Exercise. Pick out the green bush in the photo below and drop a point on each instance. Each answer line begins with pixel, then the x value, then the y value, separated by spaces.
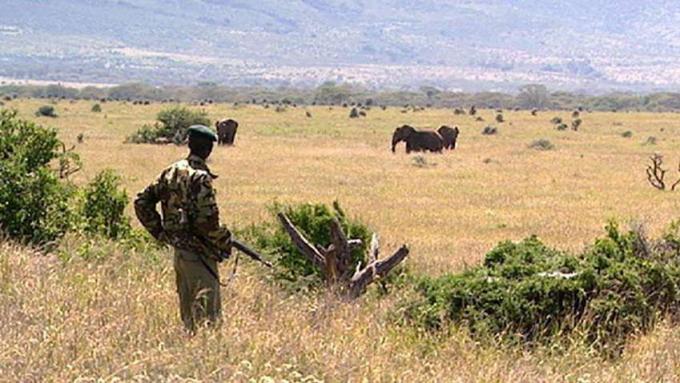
pixel 489 130
pixel 103 207
pixel 542 144
pixel 46 111
pixel 529 293
pixel 314 221
pixel 96 108
pixel 172 126
pixel 33 201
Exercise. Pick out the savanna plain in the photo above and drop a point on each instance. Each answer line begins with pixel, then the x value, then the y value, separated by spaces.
pixel 115 318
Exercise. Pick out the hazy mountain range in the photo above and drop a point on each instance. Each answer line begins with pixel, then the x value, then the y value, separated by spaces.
pixel 590 45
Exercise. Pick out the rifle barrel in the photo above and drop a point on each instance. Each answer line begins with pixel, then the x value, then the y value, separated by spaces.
pixel 238 245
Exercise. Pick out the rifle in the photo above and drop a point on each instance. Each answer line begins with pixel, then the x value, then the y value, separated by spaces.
pixel 240 246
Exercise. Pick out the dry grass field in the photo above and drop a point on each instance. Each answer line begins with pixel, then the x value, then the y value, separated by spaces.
pixel 115 319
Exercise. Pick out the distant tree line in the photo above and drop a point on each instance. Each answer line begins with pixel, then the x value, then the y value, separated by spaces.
pixel 532 96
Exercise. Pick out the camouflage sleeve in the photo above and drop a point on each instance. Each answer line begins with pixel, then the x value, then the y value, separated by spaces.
pixel 145 209
pixel 206 220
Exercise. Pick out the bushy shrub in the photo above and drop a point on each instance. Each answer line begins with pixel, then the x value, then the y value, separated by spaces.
pixel 96 108
pixel 575 124
pixel 489 130
pixel 542 144
pixel 103 207
pixel 499 118
pixel 627 134
pixel 33 201
pixel 529 293
pixel 561 126
pixel 46 111
pixel 556 120
pixel 314 221
pixel 172 125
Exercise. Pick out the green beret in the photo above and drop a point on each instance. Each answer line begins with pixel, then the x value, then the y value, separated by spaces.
pixel 203 131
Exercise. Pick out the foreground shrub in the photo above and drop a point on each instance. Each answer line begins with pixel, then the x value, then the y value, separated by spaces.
pixel 314 221
pixel 172 126
pixel 103 207
pixel 529 293
pixel 33 201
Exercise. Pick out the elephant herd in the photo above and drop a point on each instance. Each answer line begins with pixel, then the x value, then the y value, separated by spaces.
pixel 416 140
pixel 426 140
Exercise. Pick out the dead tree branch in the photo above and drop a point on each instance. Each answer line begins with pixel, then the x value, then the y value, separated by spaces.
pixel 335 260
pixel 656 173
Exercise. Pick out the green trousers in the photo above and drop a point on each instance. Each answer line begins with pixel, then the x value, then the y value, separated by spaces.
pixel 198 289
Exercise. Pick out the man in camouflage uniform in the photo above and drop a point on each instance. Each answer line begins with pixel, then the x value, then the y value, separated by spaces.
pixel 190 223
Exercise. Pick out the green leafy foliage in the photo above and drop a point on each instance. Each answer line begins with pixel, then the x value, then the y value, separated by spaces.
pixel 103 207
pixel 529 293
pixel 33 202
pixel 314 221
pixel 96 108
pixel 172 126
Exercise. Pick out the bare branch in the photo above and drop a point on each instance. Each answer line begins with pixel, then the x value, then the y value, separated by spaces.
pixel 342 250
pixel 302 243
pixel 655 173
pixel 374 250
pixel 375 270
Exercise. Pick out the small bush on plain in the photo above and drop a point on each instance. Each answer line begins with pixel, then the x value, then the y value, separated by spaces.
pixel 489 130
pixel 542 144
pixel 46 111
pixel 172 126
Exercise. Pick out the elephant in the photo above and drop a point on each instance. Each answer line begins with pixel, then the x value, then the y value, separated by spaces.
pixel 449 135
pixel 226 131
pixel 417 140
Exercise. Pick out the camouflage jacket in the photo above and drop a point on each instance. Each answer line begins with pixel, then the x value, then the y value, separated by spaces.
pixel 190 218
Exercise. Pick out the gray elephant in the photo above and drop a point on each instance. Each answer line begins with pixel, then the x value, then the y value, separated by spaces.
pixel 449 135
pixel 226 131
pixel 417 141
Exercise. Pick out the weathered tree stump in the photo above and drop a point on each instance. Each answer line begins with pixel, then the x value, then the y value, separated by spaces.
pixel 335 261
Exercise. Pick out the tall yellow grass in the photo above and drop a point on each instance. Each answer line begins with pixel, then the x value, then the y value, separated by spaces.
pixel 115 319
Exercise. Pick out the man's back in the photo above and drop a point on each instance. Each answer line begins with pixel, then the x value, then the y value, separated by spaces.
pixel 190 223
